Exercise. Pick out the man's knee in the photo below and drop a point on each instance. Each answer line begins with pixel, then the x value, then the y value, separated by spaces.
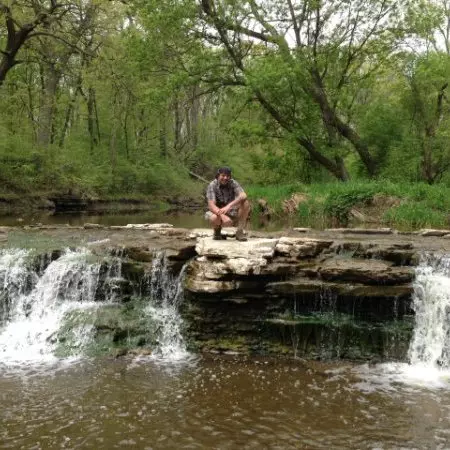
pixel 214 220
pixel 244 207
pixel 227 221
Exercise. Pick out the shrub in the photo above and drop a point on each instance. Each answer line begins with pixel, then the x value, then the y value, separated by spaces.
pixel 338 204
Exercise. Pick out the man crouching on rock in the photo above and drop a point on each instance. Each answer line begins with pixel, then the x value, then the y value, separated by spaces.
pixel 228 205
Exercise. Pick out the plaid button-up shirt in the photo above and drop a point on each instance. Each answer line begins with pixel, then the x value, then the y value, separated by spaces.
pixel 221 195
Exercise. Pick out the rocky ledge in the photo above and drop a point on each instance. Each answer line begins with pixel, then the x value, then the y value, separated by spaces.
pixel 334 293
pixel 328 294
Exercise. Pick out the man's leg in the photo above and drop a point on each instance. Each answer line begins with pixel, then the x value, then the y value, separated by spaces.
pixel 216 223
pixel 227 221
pixel 243 213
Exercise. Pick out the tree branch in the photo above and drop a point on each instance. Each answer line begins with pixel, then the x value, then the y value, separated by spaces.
pixel 59 38
pixel 294 23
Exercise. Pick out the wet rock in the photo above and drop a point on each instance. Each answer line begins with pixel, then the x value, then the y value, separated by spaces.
pixel 365 271
pixel 148 226
pixel 253 249
pixel 301 247
pixel 91 226
pixel 204 286
pixel 431 232
pixel 140 254
pixel 314 286
pixel 361 230
pixel 398 256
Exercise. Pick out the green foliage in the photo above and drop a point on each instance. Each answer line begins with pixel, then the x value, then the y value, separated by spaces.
pixel 420 205
pixel 141 100
pixel 340 201
pixel 415 215
pixel 402 163
pixel 273 194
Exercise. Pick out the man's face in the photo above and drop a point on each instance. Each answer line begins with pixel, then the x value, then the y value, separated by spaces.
pixel 224 178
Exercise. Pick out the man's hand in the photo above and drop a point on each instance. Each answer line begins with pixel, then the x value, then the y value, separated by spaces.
pixel 224 210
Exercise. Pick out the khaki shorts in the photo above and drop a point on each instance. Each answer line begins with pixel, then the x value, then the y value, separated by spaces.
pixel 234 218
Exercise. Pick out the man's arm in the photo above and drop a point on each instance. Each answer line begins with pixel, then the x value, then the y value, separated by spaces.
pixel 213 207
pixel 240 198
pixel 211 198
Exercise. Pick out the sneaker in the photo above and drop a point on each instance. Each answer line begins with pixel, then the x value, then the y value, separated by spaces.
pixel 240 236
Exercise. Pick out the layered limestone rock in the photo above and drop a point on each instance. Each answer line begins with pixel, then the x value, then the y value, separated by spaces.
pixel 225 266
pixel 301 295
pixel 336 293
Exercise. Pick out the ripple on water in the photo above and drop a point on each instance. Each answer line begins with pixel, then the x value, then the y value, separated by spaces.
pixel 219 403
pixel 398 376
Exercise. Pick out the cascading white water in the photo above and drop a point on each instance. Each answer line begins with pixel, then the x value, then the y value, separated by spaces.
pixel 430 345
pixel 34 304
pixel 14 279
pixel 429 349
pixel 166 294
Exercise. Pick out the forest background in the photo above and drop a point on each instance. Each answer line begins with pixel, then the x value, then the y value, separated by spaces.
pixel 342 100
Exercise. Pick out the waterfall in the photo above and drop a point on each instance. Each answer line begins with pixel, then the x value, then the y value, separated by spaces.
pixel 34 301
pixel 166 294
pixel 430 344
pixel 429 349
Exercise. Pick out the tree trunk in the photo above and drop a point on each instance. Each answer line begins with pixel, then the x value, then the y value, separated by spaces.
pixel 15 40
pixel 162 135
pixel 332 120
pixel 427 169
pixel 47 107
pixel 125 129
pixel 141 128
pixel 113 139
pixel 177 123
pixel 69 115
pixel 6 64
pixel 335 168
pixel 194 113
pixel 91 119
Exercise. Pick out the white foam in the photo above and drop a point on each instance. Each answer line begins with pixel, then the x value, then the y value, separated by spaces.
pixel 35 313
pixel 166 294
pixel 429 350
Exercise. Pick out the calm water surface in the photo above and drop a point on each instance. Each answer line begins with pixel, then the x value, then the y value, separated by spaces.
pixel 220 403
pixel 178 219
pixel 182 219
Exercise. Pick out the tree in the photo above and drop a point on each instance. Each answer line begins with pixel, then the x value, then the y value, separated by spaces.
pixel 429 109
pixel 307 64
pixel 23 22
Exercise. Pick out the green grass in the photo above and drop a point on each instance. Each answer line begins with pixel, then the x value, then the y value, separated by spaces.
pixel 421 205
pixel 274 194
pixel 414 216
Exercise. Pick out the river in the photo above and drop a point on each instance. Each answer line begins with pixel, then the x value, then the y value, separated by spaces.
pixel 179 219
pixel 182 219
pixel 221 403
pixel 173 399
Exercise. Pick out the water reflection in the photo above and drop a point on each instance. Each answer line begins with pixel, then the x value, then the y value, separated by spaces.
pixel 182 219
pixel 218 403
pixel 190 219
